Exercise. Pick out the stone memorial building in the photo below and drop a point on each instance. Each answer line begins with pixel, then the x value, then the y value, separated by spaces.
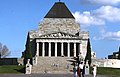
pixel 57 40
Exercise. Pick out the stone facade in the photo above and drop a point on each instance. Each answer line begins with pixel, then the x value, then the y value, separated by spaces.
pixel 67 25
pixel 57 41
pixel 62 29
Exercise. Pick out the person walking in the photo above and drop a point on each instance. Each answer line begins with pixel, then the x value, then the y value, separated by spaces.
pixel 81 66
pixel 83 71
pixel 94 70
pixel 78 72
pixel 75 71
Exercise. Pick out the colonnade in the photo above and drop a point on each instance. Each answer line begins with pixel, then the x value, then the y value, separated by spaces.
pixel 56 49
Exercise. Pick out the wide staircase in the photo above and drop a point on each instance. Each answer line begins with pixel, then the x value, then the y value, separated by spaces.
pixel 53 65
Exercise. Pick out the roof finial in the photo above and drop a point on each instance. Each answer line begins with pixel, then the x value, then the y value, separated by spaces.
pixel 59 0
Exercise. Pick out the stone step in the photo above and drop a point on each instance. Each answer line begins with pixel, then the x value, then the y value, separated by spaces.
pixel 53 65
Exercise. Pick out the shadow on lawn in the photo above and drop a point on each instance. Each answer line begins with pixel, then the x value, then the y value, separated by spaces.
pixel 22 70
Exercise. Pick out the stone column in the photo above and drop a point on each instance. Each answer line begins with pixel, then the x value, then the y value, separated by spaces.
pixel 55 49
pixel 49 49
pixel 68 54
pixel 37 52
pixel 43 49
pixel 62 49
pixel 74 49
pixel 80 48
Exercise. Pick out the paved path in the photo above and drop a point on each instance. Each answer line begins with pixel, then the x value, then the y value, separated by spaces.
pixel 45 75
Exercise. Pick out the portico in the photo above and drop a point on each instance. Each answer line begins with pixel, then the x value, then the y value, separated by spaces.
pixel 57 47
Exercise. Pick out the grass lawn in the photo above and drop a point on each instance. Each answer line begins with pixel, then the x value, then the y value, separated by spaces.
pixel 108 71
pixel 9 69
pixel 14 69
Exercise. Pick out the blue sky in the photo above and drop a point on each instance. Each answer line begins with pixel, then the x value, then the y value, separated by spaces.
pixel 100 17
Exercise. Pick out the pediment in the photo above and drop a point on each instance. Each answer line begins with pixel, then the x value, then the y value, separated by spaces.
pixel 58 35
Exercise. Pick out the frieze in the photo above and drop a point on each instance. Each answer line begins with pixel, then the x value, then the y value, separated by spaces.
pixel 59 35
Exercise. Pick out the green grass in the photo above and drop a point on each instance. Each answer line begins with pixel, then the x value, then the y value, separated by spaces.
pixel 11 69
pixel 108 71
pixel 14 69
pixel 115 72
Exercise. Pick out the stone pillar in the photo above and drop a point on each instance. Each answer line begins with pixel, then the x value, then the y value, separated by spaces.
pixel 37 52
pixel 28 67
pixel 74 49
pixel 49 49
pixel 34 60
pixel 68 54
pixel 55 49
pixel 62 49
pixel 43 49
pixel 80 48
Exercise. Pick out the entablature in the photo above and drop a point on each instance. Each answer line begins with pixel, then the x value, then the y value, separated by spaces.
pixel 59 35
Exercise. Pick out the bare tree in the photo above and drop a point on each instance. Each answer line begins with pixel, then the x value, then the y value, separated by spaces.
pixel 0 49
pixel 0 46
pixel 4 51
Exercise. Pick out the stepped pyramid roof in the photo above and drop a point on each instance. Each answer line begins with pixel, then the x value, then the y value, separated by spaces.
pixel 59 10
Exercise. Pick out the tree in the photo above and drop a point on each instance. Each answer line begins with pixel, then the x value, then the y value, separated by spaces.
pixel 119 53
pixel 4 51
pixel 0 49
pixel 88 54
pixel 27 53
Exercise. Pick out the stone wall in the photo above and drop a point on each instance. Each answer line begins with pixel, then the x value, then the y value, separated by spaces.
pixel 98 62
pixel 51 25
pixel 84 35
pixel 84 41
pixel 113 63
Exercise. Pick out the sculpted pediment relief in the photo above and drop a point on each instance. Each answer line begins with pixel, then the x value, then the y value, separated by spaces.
pixel 58 35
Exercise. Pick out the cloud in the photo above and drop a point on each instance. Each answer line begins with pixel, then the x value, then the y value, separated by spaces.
pixel 108 13
pixel 109 35
pixel 86 19
pixel 112 35
pixel 100 17
pixel 101 2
